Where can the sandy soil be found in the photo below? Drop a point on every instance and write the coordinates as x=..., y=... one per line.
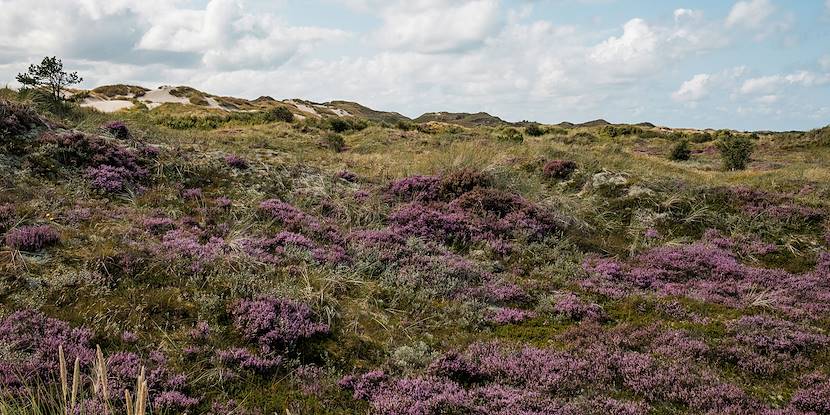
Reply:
x=303, y=107
x=107, y=106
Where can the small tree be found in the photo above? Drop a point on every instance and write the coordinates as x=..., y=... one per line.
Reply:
x=680, y=151
x=735, y=150
x=49, y=75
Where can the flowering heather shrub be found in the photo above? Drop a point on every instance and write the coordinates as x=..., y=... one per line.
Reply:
x=571, y=306
x=432, y=222
x=108, y=165
x=766, y=345
x=310, y=379
x=377, y=249
x=507, y=315
x=245, y=360
x=651, y=233
x=295, y=220
x=173, y=400
x=76, y=215
x=769, y=334
x=179, y=244
x=29, y=343
x=274, y=250
x=439, y=274
x=364, y=386
x=497, y=212
x=275, y=323
x=17, y=118
x=425, y=188
x=124, y=367
x=192, y=193
x=710, y=273
x=158, y=225
x=776, y=206
x=108, y=178
x=222, y=202
x=814, y=396
x=201, y=332
x=32, y=238
x=118, y=129
x=559, y=169
x=236, y=162
x=462, y=181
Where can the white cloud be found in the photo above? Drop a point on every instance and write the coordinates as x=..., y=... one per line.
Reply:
x=680, y=14
x=226, y=37
x=750, y=13
x=438, y=26
x=773, y=83
x=694, y=89
x=633, y=50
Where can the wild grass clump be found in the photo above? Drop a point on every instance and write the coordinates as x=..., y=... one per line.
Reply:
x=511, y=134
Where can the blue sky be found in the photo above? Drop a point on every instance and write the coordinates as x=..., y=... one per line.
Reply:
x=749, y=64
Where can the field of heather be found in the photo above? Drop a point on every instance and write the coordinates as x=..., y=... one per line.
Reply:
x=168, y=262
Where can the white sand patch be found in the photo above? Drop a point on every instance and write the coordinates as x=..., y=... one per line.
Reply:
x=156, y=97
x=303, y=107
x=212, y=103
x=339, y=112
x=107, y=106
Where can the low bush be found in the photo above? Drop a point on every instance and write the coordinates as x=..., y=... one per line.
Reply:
x=620, y=130
x=334, y=141
x=339, y=125
x=117, y=129
x=680, y=151
x=32, y=238
x=535, y=130
x=559, y=169
x=736, y=151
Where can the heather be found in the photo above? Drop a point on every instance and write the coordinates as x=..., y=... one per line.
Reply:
x=407, y=269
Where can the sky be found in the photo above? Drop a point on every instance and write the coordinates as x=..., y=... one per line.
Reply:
x=748, y=64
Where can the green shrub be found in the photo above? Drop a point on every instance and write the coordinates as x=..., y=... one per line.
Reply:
x=280, y=114
x=339, y=125
x=700, y=137
x=511, y=134
x=680, y=151
x=735, y=150
x=334, y=141
x=652, y=134
x=620, y=130
x=534, y=130
x=404, y=125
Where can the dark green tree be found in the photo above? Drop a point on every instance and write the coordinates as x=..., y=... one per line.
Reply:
x=49, y=75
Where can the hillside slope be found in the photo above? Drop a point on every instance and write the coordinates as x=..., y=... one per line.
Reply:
x=250, y=262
